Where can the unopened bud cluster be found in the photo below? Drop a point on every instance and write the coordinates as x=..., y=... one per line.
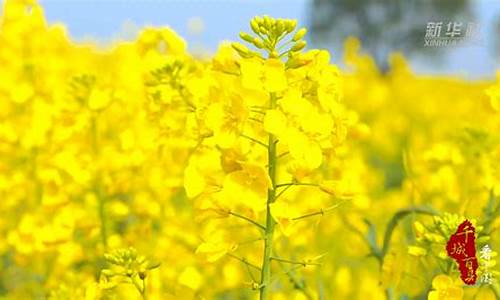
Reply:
x=126, y=262
x=269, y=33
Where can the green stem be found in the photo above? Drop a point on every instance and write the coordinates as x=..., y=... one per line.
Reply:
x=296, y=184
x=293, y=262
x=320, y=212
x=265, y=279
x=143, y=292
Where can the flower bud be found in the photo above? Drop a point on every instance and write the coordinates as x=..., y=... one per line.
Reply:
x=299, y=46
x=241, y=49
x=418, y=228
x=254, y=24
x=280, y=26
x=258, y=43
x=290, y=25
x=111, y=259
x=246, y=37
x=267, y=22
x=299, y=34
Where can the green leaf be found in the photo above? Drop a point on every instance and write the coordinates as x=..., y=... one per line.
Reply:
x=398, y=216
x=371, y=238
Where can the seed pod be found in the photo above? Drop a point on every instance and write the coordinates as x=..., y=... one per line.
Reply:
x=299, y=34
x=153, y=265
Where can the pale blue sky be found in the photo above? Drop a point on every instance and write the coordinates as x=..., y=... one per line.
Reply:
x=223, y=19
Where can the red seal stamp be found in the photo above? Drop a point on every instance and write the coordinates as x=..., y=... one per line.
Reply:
x=462, y=248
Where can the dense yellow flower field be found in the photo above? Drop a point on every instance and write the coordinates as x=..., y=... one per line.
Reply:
x=144, y=172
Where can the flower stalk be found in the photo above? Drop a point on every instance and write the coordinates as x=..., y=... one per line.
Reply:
x=270, y=223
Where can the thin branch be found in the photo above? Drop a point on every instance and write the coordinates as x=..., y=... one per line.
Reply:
x=243, y=260
x=352, y=227
x=254, y=140
x=250, y=241
x=320, y=212
x=283, y=154
x=143, y=293
x=255, y=119
x=296, y=184
x=284, y=53
x=247, y=219
x=250, y=273
x=296, y=282
x=258, y=111
x=285, y=272
x=293, y=262
x=282, y=191
x=229, y=73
